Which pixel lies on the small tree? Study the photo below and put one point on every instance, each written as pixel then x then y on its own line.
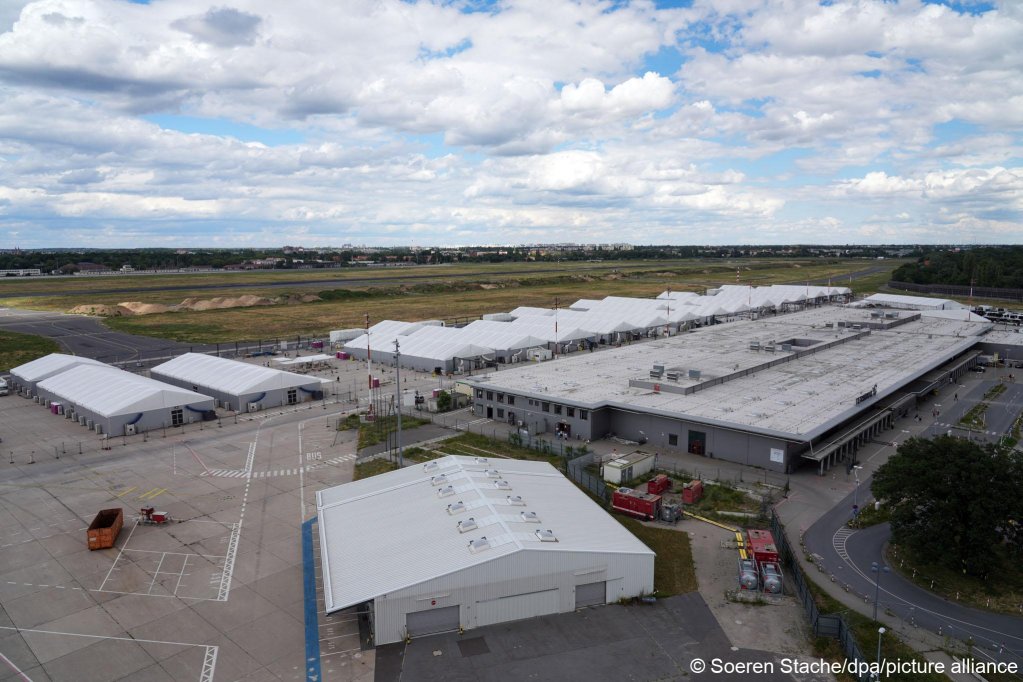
pixel 952 501
pixel 443 401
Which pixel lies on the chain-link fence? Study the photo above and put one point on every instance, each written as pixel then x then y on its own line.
pixel 823 625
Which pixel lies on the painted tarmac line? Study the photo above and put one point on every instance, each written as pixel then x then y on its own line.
pixel 118 558
pixel 312 635
pixel 209 656
pixel 134 487
pixel 17 671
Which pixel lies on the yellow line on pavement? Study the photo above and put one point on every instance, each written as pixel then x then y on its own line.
pixel 151 494
pixel 126 491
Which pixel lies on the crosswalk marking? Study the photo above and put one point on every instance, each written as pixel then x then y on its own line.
pixel 838 541
pixel 273 473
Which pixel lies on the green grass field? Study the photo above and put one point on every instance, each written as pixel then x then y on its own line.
pixel 454 300
pixel 17 349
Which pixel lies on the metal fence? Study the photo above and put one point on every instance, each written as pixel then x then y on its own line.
pixel 823 625
pixel 999 293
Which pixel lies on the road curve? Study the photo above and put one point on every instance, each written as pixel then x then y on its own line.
pixel 848 554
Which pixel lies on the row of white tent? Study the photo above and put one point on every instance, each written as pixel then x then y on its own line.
pixel 507 337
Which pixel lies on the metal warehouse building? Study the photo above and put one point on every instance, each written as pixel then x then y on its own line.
pixel 772 392
pixel 112 401
pixel 462 542
pixel 25 377
pixel 238 386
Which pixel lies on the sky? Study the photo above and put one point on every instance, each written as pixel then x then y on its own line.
pixel 246 123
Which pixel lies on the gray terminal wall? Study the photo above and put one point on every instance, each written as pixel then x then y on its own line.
pixel 240 402
pixel 549 576
pixel 663 433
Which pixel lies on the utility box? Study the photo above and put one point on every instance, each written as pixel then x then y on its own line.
pixel 538 354
pixel 658 484
pixel 761 546
pixel 624 468
pixel 104 529
pixel 692 492
pixel 636 503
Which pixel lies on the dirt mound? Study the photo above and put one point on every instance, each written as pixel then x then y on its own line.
pixel 222 302
pixel 196 304
pixel 139 308
pixel 99 309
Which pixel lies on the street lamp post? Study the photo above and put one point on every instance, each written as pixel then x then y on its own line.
pixel 397 380
pixel 856 492
pixel 877 570
pixel 880 633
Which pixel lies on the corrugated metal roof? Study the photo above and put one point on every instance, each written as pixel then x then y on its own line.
pixel 109 391
pixel 229 376
pixel 49 365
pixel 393 531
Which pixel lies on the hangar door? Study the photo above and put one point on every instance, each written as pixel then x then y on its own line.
pixel 517 607
pixel 590 594
pixel 427 622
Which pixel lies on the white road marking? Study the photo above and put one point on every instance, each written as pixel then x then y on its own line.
pixel 118 556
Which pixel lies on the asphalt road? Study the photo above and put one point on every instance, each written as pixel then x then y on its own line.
pixel 999 416
pixel 847 555
pixel 88 337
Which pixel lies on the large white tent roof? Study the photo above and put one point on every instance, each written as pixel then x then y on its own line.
pixel 109 391
pixel 370 528
pixel 383 334
pixel 49 365
pixel 229 376
pixel 912 302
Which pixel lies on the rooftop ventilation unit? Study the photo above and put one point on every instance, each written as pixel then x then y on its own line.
pixel 673 375
pixel 430 466
pixel 657 372
pixel 446 491
pixel 754 345
pixel 876 314
pixel 493 473
pixel 545 535
pixel 891 316
pixel 841 324
pixel 769 347
pixel 481 460
pixel 502 485
pixel 516 501
pixel 829 325
pixel 786 346
pixel 694 374
pixel 456 508
pixel 477 546
pixel 467 525
pixel 440 479
pixel 529 517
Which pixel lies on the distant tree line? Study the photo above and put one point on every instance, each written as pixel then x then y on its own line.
pixel 71 260
pixel 983 267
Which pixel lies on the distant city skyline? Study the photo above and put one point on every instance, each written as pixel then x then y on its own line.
pixel 252 124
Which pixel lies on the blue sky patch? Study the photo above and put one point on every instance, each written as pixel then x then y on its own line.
pixel 226 128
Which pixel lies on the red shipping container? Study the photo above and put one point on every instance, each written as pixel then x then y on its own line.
pixel 761 545
pixel 658 484
pixel 636 503
pixel 692 492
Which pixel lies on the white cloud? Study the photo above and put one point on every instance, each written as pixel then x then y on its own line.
pixel 532 120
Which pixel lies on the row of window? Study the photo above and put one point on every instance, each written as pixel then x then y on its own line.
pixel 544 406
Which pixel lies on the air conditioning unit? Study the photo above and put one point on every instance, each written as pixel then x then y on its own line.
pixel 81 419
pixel 47 403
pixel 99 428
pixel 129 429
pixel 35 399
pixel 253 407
pixel 69 414
pixel 88 424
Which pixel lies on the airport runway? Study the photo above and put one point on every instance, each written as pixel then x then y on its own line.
pixel 88 337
